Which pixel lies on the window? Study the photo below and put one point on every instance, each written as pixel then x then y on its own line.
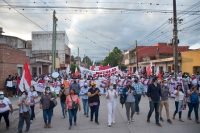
pixel 19 71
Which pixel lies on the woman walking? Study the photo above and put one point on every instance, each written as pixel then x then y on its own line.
pixel 73 104
pixel 45 104
pixel 129 93
pixel 194 103
pixel 111 103
pixel 179 98
pixel 32 95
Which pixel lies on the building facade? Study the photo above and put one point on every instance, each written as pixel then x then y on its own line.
pixel 41 60
pixel 191 61
pixel 11 62
pixel 159 56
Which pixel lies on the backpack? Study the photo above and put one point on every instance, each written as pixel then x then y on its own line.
pixel 194 98
pixel 122 99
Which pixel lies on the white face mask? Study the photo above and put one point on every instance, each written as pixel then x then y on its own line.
pixel 1 97
pixel 23 96
pixel 111 88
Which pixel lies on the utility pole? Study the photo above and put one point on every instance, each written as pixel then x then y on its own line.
pixel 175 40
pixel 78 58
pixel 54 42
pixel 136 49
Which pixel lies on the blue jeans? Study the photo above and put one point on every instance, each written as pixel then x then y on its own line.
pixel 94 110
pixel 63 108
pixel 85 106
pixel 176 110
pixel 47 115
pixel 195 106
pixel 137 101
pixel 72 114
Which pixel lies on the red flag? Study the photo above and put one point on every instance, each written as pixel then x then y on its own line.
pixel 26 79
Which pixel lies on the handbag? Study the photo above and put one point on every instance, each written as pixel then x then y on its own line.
pixel 53 104
pixel 74 104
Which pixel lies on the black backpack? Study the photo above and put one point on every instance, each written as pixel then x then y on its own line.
pixel 122 99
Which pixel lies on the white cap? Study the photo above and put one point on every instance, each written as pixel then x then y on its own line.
pixel 85 84
pixel 1 93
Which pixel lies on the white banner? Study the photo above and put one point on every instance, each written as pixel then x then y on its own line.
pixel 104 73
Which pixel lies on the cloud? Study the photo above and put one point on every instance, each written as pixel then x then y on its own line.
pixel 96 32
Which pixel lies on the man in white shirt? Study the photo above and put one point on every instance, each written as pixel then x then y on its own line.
pixel 5 108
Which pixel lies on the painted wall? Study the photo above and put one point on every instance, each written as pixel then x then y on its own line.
pixel 190 59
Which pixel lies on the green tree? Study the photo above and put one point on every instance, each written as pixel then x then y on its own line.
pixel 114 58
pixel 87 61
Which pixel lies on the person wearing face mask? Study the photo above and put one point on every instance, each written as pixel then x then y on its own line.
pixel 154 94
pixel 24 112
pixel 111 97
pixel 165 93
pixel 32 95
pixel 129 93
pixel 73 104
pixel 45 106
pixel 139 89
pixel 94 102
pixel 84 96
pixel 5 108
pixel 62 95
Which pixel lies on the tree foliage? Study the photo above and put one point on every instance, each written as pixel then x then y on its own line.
pixel 87 61
pixel 114 58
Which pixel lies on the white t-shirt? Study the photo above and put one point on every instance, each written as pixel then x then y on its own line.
pixel 31 96
pixel 111 95
pixel 180 96
pixel 4 105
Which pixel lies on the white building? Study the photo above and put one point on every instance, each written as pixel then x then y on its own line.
pixel 42 51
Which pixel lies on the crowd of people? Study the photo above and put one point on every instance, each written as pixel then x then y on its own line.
pixel 127 90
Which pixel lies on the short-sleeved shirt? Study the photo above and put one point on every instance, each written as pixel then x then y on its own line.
pixel 95 99
pixel 4 105
pixel 70 99
pixel 24 108
pixel 180 96
pixel 45 100
pixel 32 96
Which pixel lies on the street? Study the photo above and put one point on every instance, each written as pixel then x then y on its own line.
pixel 84 125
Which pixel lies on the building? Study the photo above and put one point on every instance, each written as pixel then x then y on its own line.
pixel 191 61
pixel 159 56
pixel 11 62
pixel 41 60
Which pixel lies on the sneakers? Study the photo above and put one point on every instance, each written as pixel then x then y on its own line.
pixel 45 126
pixel 97 122
pixel 169 121
pixel 158 124
pixel 181 120
pixel 129 123
pixel 70 127
pixel 161 119
pixel 49 126
pixel 132 120
pixel 109 125
pixel 148 120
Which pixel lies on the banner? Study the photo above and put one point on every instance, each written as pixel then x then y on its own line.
pixel 104 73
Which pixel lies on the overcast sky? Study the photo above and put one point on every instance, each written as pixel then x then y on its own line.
pixel 98 31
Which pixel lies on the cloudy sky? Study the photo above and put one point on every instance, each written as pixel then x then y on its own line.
pixel 97 26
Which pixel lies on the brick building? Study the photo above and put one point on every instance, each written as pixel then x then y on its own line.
pixel 11 62
pixel 159 55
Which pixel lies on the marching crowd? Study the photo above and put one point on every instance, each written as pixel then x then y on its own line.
pixel 126 90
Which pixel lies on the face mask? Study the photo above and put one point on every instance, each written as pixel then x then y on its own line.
pixel 111 88
pixel 48 91
pixel 23 96
pixel 165 84
pixel 1 97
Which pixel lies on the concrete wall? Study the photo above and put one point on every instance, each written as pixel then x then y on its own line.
pixel 43 41
pixel 12 41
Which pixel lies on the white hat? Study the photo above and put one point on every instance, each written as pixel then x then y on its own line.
pixel 85 84
pixel 1 93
